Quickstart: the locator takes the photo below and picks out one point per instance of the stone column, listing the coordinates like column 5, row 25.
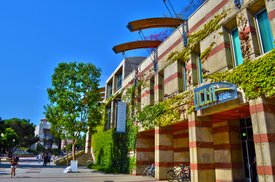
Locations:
column 159, row 86
column 181, row 144
column 201, row 149
column 270, row 7
column 263, row 122
column 164, row 151
column 228, row 155
column 145, row 154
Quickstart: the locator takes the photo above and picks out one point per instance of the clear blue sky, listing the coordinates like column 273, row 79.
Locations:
column 36, row 35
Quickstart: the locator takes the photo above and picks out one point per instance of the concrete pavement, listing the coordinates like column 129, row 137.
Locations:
column 30, row 170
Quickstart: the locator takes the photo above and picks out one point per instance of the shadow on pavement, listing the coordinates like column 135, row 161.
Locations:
column 7, row 165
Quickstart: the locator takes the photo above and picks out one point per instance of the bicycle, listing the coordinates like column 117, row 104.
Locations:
column 180, row 173
column 149, row 170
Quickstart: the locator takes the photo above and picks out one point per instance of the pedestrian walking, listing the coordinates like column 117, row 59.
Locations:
column 45, row 160
column 14, row 164
column 49, row 158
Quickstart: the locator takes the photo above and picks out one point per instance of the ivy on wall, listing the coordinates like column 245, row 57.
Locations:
column 111, row 150
column 256, row 78
column 166, row 112
column 193, row 40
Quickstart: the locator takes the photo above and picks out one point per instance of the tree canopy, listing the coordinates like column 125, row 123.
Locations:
column 16, row 133
column 74, row 100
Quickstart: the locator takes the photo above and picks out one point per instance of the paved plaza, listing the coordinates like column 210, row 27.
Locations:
column 30, row 170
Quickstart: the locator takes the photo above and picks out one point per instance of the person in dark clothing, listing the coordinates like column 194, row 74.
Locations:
column 45, row 160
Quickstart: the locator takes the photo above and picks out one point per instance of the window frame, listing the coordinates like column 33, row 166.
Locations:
column 235, row 63
column 259, row 31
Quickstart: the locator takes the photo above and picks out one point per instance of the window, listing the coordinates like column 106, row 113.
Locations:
column 265, row 33
column 199, row 63
column 108, row 122
column 236, row 45
column 119, row 81
column 184, row 77
column 152, row 91
column 109, row 90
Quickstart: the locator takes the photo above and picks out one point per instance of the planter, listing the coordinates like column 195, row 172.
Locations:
column 74, row 164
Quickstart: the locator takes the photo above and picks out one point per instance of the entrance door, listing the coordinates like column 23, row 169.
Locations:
column 248, row 150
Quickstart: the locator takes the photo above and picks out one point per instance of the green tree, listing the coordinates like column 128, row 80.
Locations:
column 24, row 130
column 9, row 141
column 74, row 100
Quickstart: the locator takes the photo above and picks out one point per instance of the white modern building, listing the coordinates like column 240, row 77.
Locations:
column 46, row 139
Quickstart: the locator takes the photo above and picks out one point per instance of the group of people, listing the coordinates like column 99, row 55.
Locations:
column 46, row 157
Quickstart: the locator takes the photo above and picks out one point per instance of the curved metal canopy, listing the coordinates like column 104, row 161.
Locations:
column 136, row 45
column 154, row 23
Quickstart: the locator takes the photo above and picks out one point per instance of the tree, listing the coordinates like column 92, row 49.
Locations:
column 74, row 100
column 24, row 130
column 9, row 141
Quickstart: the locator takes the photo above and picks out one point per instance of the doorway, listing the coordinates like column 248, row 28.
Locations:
column 248, row 150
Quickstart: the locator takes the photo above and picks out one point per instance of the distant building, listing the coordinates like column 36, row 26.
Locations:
column 46, row 139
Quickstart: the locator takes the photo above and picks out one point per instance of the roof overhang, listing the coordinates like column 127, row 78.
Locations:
column 154, row 23
column 136, row 45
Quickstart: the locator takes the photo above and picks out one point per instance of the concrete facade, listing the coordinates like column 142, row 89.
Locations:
column 45, row 137
column 209, row 140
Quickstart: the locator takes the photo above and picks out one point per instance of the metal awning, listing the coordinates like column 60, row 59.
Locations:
column 154, row 23
column 136, row 45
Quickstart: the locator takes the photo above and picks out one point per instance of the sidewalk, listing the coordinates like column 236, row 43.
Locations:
column 34, row 172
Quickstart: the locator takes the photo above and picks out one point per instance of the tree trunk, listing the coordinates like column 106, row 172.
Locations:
column 73, row 148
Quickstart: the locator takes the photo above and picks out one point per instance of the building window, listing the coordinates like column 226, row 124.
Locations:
column 200, row 73
column 152, row 91
column 184, row 77
column 236, row 47
column 119, row 81
column 160, row 86
column 109, row 90
column 108, row 122
column 265, row 33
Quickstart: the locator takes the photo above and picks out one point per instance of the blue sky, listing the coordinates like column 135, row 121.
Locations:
column 36, row 35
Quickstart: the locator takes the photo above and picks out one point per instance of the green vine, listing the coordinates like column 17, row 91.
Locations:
column 206, row 52
column 194, row 39
column 166, row 112
column 109, row 100
column 256, row 78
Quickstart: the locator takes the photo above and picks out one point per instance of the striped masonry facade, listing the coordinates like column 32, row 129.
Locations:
column 263, row 117
column 201, row 149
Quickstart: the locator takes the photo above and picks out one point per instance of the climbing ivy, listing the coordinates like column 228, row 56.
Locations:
column 256, row 78
column 193, row 40
column 166, row 112
column 111, row 148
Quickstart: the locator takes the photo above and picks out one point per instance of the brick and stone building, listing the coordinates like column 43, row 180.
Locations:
column 228, row 141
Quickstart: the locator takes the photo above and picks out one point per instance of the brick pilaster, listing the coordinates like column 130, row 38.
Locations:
column 228, row 160
column 201, row 149
column 164, row 151
column 144, row 151
column 263, row 117
column 270, row 7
